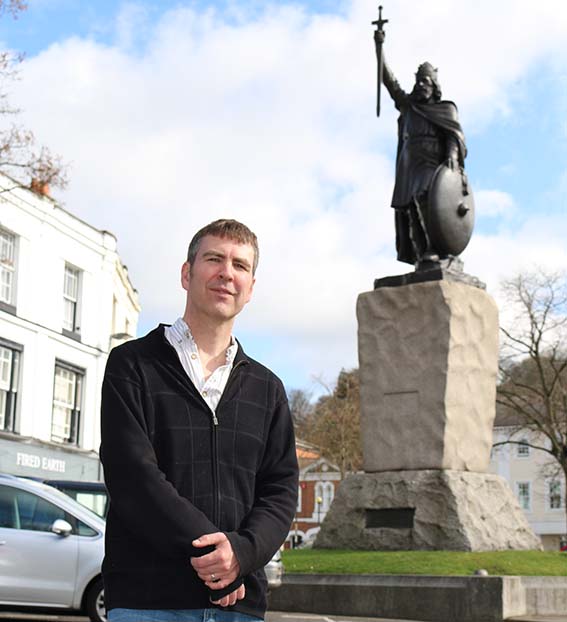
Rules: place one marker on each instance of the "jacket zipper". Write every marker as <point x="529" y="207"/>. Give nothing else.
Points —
<point x="216" y="480"/>
<point x="216" y="469"/>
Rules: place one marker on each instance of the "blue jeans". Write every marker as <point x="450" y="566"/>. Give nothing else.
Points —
<point x="178" y="615"/>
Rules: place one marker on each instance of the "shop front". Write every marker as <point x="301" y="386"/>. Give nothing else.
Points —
<point x="33" y="458"/>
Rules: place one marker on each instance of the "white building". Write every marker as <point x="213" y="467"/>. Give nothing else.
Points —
<point x="65" y="300"/>
<point x="537" y="484"/>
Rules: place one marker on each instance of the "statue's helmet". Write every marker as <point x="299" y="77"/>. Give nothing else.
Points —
<point x="428" y="70"/>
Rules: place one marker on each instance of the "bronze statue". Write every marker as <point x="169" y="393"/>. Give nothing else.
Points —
<point x="433" y="202"/>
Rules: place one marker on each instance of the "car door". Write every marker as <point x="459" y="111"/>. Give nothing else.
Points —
<point x="36" y="565"/>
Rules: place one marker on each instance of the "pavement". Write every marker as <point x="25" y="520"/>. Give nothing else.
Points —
<point x="271" y="616"/>
<point x="277" y="616"/>
<point x="308" y="617"/>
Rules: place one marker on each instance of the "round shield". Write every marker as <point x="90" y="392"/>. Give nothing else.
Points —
<point x="450" y="215"/>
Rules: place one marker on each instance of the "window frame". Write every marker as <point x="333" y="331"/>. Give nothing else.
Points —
<point x="72" y="329"/>
<point x="523" y="450"/>
<point x="12" y="403"/>
<point x="9" y="304"/>
<point x="325" y="490"/>
<point x="549" y="482"/>
<point x="74" y="437"/>
<point x="519" y="496"/>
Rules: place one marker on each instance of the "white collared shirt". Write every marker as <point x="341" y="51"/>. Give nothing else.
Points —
<point x="180" y="337"/>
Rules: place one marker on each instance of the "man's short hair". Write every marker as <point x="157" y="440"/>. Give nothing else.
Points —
<point x="225" y="228"/>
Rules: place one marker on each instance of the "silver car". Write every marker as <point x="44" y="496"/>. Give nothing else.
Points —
<point x="274" y="570"/>
<point x="51" y="549"/>
<point x="94" y="496"/>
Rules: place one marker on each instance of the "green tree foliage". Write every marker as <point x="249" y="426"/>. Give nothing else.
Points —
<point x="334" y="423"/>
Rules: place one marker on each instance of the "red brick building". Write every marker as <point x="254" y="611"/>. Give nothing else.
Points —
<point x="318" y="481"/>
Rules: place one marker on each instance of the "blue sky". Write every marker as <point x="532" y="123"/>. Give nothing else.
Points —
<point x="47" y="21"/>
<point x="174" y="113"/>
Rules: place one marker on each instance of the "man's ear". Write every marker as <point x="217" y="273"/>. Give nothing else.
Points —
<point x="251" y="290"/>
<point x="185" y="275"/>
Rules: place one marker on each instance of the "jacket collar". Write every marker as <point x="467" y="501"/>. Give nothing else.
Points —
<point x="159" y="341"/>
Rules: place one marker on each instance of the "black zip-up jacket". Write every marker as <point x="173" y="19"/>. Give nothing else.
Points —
<point x="175" y="472"/>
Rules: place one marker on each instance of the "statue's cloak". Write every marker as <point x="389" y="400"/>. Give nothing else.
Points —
<point x="424" y="133"/>
<point x="444" y="115"/>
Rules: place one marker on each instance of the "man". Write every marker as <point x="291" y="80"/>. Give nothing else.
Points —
<point x="429" y="134"/>
<point x="198" y="453"/>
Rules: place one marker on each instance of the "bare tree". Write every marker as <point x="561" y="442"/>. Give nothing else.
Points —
<point x="334" y="424"/>
<point x="20" y="158"/>
<point x="301" y="408"/>
<point x="12" y="6"/>
<point x="532" y="392"/>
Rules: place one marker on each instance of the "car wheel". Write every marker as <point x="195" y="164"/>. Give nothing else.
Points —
<point x="94" y="602"/>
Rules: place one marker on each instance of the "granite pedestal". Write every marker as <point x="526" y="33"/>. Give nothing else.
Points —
<point x="428" y="354"/>
<point x="426" y="510"/>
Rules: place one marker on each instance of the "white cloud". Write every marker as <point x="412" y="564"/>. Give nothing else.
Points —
<point x="537" y="242"/>
<point x="269" y="118"/>
<point x="131" y="21"/>
<point x="494" y="203"/>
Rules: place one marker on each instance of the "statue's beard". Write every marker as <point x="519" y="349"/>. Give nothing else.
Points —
<point x="421" y="97"/>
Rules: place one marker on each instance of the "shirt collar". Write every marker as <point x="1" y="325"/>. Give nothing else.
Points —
<point x="183" y="336"/>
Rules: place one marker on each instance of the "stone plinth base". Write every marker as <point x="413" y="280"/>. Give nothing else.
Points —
<point x="407" y="597"/>
<point x="426" y="510"/>
<point x="428" y="357"/>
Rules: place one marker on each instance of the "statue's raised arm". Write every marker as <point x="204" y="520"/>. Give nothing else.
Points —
<point x="432" y="198"/>
<point x="397" y="93"/>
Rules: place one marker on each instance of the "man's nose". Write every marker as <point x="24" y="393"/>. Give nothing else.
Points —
<point x="226" y="271"/>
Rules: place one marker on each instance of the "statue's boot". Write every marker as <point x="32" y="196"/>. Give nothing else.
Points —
<point x="430" y="255"/>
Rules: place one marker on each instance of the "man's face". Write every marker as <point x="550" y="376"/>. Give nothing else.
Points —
<point x="220" y="281"/>
<point x="423" y="88"/>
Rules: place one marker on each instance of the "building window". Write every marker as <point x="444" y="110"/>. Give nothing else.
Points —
<point x="71" y="290"/>
<point x="67" y="398"/>
<point x="328" y="495"/>
<point x="299" y="490"/>
<point x="523" y="490"/>
<point x="9" y="378"/>
<point x="523" y="449"/>
<point x="325" y="491"/>
<point x="7" y="267"/>
<point x="554" y="494"/>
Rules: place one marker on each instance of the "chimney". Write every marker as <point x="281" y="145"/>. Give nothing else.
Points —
<point x="40" y="187"/>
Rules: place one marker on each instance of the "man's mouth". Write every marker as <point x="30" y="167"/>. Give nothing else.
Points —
<point x="222" y="290"/>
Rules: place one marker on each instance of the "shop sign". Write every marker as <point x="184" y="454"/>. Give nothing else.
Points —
<point x="32" y="458"/>
<point x="33" y="461"/>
